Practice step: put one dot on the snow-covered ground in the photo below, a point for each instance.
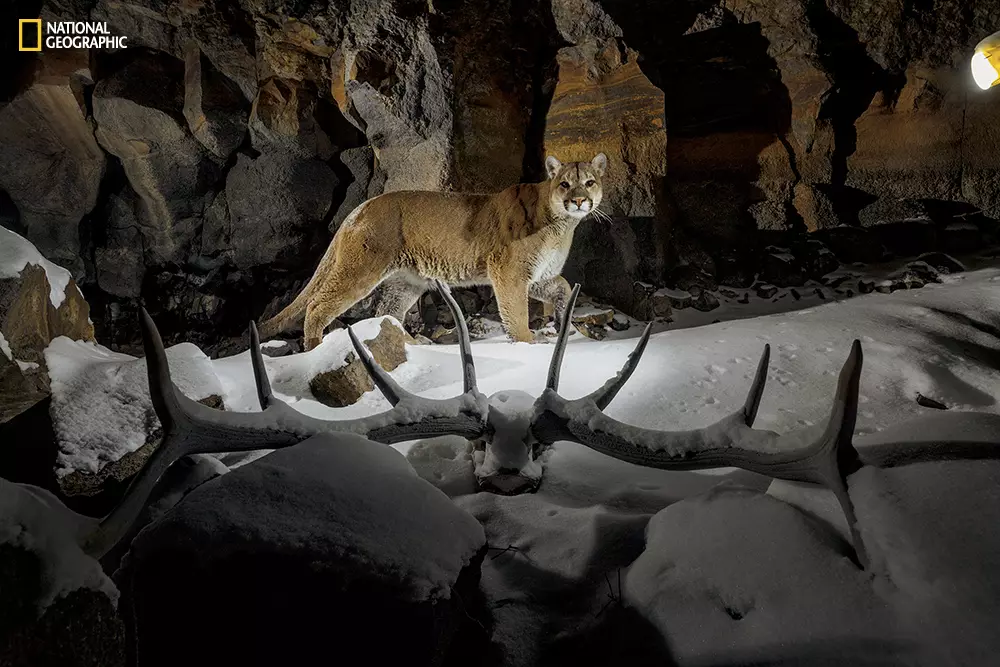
(725, 572)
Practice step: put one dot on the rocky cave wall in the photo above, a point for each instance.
(203, 170)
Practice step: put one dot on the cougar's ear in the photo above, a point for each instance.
(600, 163)
(552, 166)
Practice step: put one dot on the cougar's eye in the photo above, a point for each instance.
(590, 184)
(564, 184)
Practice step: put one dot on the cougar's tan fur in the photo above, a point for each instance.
(516, 240)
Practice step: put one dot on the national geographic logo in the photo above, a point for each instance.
(33, 33)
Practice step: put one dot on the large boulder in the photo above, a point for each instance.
(140, 119)
(389, 80)
(39, 301)
(276, 204)
(343, 378)
(58, 605)
(50, 164)
(222, 30)
(303, 552)
(603, 102)
(214, 107)
(102, 414)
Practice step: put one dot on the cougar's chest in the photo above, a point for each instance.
(549, 262)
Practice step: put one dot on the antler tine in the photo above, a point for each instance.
(161, 387)
(605, 394)
(464, 340)
(264, 395)
(555, 365)
(756, 392)
(389, 387)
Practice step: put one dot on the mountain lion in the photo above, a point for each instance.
(516, 240)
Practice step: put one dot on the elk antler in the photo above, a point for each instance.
(730, 442)
(192, 428)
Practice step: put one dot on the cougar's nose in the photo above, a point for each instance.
(579, 202)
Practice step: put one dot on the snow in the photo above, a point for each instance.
(17, 252)
(357, 505)
(101, 408)
(729, 566)
(671, 293)
(508, 449)
(35, 520)
(5, 347)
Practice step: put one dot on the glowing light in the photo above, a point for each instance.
(983, 72)
(986, 62)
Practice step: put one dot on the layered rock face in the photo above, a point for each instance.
(204, 169)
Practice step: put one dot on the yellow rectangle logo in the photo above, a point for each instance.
(23, 28)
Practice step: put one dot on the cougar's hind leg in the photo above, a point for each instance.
(399, 293)
(339, 291)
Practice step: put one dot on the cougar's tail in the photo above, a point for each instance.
(289, 314)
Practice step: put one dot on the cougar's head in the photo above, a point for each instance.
(576, 186)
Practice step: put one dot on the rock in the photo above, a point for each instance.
(621, 322)
(961, 237)
(22, 385)
(893, 211)
(120, 262)
(815, 207)
(941, 262)
(224, 32)
(496, 86)
(139, 113)
(276, 203)
(80, 629)
(676, 298)
(39, 301)
(306, 541)
(50, 163)
(853, 244)
(907, 238)
(642, 300)
(817, 260)
(781, 268)
(706, 302)
(388, 348)
(603, 102)
(444, 336)
(394, 88)
(344, 385)
(593, 315)
(214, 106)
(284, 119)
(280, 348)
(366, 182)
(110, 482)
(765, 291)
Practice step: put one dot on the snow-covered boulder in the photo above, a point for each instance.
(736, 576)
(332, 547)
(103, 418)
(38, 302)
(57, 607)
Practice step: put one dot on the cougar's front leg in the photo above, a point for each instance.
(554, 291)
(512, 297)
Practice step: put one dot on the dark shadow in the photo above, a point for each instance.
(28, 448)
(585, 626)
